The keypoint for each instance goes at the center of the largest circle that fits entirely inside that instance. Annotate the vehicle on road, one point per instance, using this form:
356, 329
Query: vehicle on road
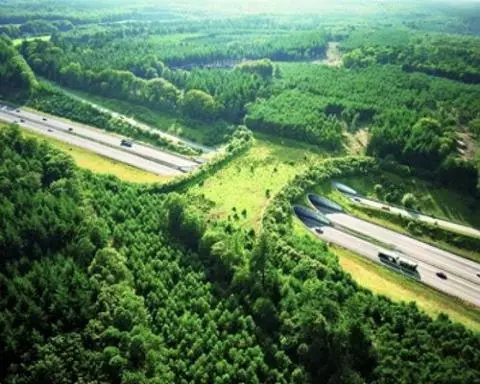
44, 119
388, 258
385, 208
318, 230
22, 121
408, 265
126, 143
18, 111
50, 130
478, 274
441, 275
70, 129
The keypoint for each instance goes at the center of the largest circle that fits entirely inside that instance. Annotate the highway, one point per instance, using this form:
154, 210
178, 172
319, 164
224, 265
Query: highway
463, 275
137, 124
453, 285
448, 225
418, 250
108, 145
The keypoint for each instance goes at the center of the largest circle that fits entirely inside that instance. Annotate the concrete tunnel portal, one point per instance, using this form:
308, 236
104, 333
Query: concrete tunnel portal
310, 217
323, 204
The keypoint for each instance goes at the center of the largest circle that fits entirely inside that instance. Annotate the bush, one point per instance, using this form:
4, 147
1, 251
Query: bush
409, 200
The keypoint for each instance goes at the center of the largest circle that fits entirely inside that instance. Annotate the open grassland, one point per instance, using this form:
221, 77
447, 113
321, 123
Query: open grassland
250, 181
383, 281
100, 164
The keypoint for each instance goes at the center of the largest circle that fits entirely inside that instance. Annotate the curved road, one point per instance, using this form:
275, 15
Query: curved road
108, 145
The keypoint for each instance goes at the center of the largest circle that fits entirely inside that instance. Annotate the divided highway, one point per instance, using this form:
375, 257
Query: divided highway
454, 285
462, 275
135, 123
139, 155
418, 250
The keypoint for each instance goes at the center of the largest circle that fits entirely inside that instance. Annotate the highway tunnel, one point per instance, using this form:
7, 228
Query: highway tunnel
310, 217
323, 204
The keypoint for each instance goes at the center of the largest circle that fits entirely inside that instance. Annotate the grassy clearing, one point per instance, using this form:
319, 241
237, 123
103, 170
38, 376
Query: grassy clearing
356, 143
17, 42
243, 184
384, 281
196, 131
100, 164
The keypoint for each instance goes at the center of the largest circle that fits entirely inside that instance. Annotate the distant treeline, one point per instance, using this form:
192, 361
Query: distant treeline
450, 56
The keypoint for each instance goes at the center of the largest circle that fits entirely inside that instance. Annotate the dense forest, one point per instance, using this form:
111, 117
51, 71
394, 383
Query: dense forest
104, 281
450, 56
15, 74
172, 300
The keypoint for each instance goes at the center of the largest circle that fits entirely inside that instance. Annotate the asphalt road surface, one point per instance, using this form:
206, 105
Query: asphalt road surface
463, 275
454, 285
459, 228
438, 258
139, 156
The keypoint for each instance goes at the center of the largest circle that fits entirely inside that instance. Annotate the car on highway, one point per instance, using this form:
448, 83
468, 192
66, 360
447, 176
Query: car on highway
441, 275
18, 111
50, 130
385, 208
478, 274
44, 119
70, 129
126, 143
22, 121
318, 230
388, 258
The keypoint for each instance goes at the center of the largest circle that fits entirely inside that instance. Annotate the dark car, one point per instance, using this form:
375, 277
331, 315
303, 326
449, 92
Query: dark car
22, 121
18, 111
70, 129
442, 275
478, 274
50, 130
44, 119
386, 208
318, 230
126, 143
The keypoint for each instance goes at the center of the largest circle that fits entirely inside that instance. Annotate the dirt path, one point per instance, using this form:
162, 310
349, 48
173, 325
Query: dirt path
334, 57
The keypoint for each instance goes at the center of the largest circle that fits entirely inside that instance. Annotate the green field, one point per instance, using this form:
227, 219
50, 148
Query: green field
243, 184
384, 281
